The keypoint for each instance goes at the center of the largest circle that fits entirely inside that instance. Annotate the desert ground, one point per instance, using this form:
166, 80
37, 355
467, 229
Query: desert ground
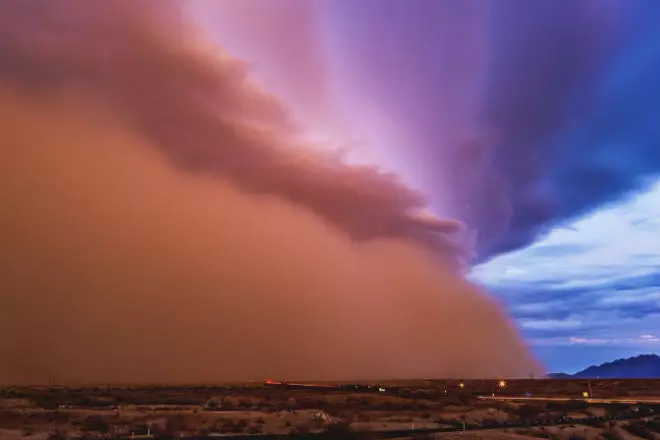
394, 409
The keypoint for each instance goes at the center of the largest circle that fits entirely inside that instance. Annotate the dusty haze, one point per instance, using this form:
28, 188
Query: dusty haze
161, 223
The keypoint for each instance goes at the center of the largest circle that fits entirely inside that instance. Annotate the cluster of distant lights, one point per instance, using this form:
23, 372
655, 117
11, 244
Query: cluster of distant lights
501, 384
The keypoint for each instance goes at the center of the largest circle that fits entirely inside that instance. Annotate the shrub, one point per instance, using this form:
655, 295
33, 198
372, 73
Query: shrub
429, 436
301, 430
653, 425
96, 424
47, 401
610, 434
465, 399
254, 429
139, 429
339, 427
528, 411
60, 416
58, 435
490, 423
639, 429
340, 430
241, 424
178, 423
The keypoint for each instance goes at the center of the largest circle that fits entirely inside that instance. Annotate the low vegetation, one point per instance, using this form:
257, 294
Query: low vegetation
422, 406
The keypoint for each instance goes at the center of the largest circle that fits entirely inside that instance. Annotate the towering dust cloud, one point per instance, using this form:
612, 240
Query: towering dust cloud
160, 222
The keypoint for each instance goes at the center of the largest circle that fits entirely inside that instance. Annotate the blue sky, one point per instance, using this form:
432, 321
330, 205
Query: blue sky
589, 291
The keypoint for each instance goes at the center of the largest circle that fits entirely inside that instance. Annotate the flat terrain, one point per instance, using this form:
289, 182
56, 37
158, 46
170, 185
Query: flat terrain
476, 409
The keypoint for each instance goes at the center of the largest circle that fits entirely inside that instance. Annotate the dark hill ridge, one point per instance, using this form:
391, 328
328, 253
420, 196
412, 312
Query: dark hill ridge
645, 366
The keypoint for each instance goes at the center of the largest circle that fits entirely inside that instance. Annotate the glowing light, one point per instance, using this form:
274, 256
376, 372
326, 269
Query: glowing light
462, 385
502, 383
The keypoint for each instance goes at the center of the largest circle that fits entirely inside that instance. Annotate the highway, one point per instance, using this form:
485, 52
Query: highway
363, 388
572, 399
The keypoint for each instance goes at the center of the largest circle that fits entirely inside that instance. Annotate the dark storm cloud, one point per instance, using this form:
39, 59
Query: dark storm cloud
518, 115
572, 101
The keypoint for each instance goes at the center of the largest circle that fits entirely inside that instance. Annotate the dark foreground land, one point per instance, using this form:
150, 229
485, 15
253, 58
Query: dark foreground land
621, 410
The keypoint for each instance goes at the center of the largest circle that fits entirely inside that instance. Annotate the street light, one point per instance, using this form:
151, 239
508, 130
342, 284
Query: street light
502, 383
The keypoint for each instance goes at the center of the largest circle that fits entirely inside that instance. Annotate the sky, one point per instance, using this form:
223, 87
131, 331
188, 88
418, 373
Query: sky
535, 123
168, 217
352, 181
588, 291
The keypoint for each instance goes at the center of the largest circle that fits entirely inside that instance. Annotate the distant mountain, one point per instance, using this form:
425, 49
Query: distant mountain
639, 367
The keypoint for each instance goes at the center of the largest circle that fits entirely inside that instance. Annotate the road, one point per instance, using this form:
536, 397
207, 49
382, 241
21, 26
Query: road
572, 399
